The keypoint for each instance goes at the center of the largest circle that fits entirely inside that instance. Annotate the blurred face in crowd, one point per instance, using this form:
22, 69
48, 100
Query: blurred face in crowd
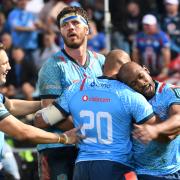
48, 39
2, 19
18, 55
171, 8
6, 40
133, 9
4, 66
138, 78
74, 32
22, 3
150, 29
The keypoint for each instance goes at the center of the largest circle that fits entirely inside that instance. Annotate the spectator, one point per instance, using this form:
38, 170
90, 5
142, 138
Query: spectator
133, 21
24, 26
119, 29
170, 23
96, 40
2, 23
151, 48
6, 39
23, 75
49, 12
7, 6
47, 48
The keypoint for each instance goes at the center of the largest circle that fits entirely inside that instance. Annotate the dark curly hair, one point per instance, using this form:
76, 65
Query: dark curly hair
76, 10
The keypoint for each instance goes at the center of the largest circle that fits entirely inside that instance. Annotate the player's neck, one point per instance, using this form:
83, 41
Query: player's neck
80, 54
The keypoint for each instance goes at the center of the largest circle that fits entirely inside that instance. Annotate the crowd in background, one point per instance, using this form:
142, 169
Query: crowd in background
31, 35
147, 29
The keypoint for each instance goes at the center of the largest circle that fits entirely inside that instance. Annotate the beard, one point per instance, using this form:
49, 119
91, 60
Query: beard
74, 45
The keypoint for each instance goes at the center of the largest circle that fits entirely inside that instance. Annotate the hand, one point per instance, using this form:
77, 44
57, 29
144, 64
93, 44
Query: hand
72, 136
145, 133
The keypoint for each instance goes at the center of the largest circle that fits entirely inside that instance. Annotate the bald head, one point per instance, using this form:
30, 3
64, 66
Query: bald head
127, 71
138, 78
114, 60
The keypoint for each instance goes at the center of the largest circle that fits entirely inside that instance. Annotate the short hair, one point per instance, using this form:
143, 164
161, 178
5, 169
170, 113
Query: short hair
122, 74
72, 9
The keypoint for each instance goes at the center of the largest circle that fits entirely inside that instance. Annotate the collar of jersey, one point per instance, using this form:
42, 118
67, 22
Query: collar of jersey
72, 59
156, 85
106, 77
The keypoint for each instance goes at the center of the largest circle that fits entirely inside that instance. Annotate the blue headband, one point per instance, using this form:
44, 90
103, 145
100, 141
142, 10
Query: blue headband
73, 16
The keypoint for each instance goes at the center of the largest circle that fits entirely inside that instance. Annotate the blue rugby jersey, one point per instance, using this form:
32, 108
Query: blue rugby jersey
60, 71
160, 158
105, 109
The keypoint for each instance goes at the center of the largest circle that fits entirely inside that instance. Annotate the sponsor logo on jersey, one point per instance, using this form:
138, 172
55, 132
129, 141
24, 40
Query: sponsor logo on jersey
96, 99
103, 85
85, 98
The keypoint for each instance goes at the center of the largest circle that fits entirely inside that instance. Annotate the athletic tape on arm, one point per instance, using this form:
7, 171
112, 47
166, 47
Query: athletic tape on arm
51, 115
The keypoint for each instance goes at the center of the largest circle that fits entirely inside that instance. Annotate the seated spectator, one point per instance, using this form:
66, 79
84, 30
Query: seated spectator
22, 77
47, 48
170, 23
96, 40
151, 48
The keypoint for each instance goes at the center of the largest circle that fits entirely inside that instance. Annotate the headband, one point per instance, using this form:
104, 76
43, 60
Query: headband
73, 16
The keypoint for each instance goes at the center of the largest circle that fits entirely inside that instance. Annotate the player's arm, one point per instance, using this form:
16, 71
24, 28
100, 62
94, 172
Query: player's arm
163, 130
63, 124
172, 125
46, 102
15, 128
50, 116
39, 122
21, 107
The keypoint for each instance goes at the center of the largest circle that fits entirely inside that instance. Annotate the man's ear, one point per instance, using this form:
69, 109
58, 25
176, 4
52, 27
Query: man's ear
146, 69
87, 30
87, 33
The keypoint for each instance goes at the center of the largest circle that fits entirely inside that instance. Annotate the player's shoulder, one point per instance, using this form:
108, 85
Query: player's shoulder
95, 55
53, 61
168, 89
57, 57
